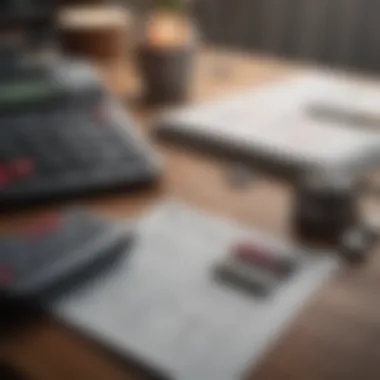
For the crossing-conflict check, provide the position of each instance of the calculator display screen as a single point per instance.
(15, 93)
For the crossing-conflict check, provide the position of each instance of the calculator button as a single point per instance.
(11, 255)
(4, 177)
(22, 168)
(6, 275)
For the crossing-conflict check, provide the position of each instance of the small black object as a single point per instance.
(325, 205)
(246, 277)
(356, 244)
(57, 253)
(166, 73)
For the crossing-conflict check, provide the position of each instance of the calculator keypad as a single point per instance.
(66, 150)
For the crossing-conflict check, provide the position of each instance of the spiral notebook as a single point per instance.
(276, 124)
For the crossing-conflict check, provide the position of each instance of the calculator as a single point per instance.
(64, 135)
(56, 253)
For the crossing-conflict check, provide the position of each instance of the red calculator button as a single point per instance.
(22, 168)
(6, 276)
(4, 177)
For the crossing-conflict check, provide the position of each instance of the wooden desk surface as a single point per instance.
(336, 337)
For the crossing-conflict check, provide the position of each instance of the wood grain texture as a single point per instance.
(336, 337)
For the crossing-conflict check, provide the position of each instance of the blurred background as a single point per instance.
(341, 33)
